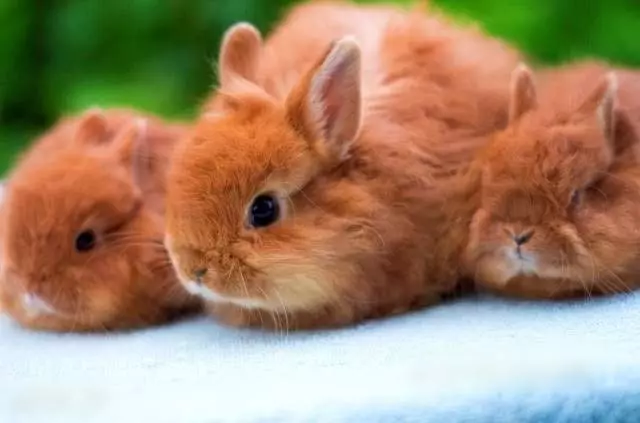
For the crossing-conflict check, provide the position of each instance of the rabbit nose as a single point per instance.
(523, 237)
(199, 274)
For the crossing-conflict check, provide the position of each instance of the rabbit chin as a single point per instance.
(298, 291)
(31, 311)
(34, 306)
(210, 295)
(499, 268)
(27, 303)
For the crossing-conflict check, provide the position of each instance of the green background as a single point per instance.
(61, 56)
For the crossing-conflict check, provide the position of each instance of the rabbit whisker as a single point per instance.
(273, 315)
(614, 176)
(586, 288)
(261, 318)
(617, 283)
(604, 195)
(76, 313)
(286, 311)
(311, 201)
(244, 282)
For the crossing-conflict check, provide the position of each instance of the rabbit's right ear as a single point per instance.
(325, 106)
(523, 93)
(92, 127)
(601, 103)
(239, 54)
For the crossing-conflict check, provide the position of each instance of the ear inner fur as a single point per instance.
(523, 93)
(606, 115)
(132, 150)
(239, 54)
(326, 105)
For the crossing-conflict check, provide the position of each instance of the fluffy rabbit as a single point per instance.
(82, 227)
(559, 213)
(311, 202)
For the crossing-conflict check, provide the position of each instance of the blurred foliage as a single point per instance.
(61, 56)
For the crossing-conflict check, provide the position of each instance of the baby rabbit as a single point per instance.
(82, 227)
(308, 206)
(559, 213)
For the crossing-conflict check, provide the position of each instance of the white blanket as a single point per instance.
(477, 360)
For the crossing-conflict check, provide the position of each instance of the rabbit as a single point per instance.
(81, 226)
(313, 205)
(558, 215)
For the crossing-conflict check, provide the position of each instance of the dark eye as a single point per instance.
(85, 241)
(576, 196)
(264, 211)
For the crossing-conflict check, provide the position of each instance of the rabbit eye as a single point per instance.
(576, 196)
(85, 241)
(264, 211)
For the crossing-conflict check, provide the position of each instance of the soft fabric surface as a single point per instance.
(477, 360)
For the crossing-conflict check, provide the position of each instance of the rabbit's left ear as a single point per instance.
(239, 54)
(3, 189)
(523, 93)
(131, 148)
(601, 103)
(92, 128)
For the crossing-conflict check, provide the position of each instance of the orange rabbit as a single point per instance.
(82, 226)
(559, 212)
(311, 203)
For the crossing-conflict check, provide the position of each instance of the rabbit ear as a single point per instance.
(325, 106)
(3, 191)
(131, 148)
(523, 96)
(92, 127)
(239, 54)
(601, 102)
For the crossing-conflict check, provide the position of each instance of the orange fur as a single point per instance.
(104, 171)
(294, 45)
(565, 174)
(359, 140)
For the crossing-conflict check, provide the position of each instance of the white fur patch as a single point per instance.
(206, 293)
(168, 244)
(35, 306)
(523, 264)
(210, 295)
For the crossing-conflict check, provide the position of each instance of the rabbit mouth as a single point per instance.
(31, 304)
(35, 306)
(210, 295)
(523, 263)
